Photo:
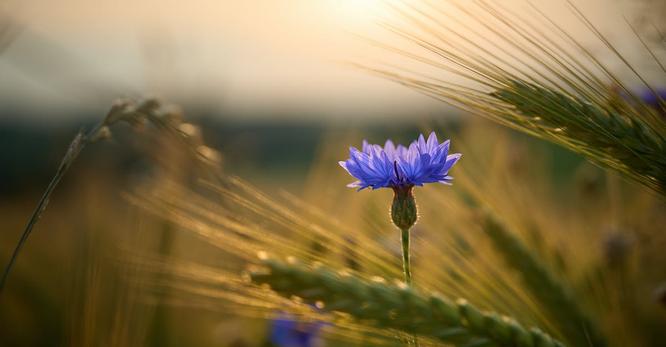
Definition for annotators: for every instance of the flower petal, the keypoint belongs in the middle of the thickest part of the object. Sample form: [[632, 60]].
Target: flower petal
[[390, 166]]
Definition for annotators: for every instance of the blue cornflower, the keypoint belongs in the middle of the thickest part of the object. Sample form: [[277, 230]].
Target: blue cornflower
[[288, 332], [654, 98], [651, 97], [400, 167]]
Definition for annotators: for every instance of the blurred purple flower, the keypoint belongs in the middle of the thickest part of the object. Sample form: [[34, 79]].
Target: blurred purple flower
[[651, 97], [655, 98], [400, 167], [288, 332]]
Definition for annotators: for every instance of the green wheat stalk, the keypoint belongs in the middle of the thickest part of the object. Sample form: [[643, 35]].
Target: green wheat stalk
[[524, 71], [605, 136], [553, 295], [397, 307]]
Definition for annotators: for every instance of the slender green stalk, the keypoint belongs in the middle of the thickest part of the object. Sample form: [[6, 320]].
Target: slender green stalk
[[406, 265], [404, 216], [398, 307], [405, 257]]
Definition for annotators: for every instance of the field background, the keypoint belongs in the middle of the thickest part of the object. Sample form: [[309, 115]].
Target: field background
[[270, 88]]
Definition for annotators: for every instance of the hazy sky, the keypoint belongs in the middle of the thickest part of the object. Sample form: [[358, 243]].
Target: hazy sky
[[252, 56]]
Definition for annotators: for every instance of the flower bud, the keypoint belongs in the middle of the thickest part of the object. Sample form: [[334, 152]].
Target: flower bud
[[403, 210]]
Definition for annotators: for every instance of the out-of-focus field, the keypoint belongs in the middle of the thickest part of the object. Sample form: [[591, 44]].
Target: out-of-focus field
[[69, 286], [76, 282], [154, 235]]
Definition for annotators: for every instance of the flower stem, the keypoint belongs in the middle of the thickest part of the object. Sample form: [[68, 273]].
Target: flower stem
[[404, 215], [413, 341], [405, 257]]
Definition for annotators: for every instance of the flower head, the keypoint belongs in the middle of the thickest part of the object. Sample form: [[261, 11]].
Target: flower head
[[400, 167]]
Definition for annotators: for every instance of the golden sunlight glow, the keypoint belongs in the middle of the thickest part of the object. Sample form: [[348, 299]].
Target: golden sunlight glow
[[357, 10], [254, 55]]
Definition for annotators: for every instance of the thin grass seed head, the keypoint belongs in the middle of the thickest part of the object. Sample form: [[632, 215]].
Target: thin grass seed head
[[401, 168]]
